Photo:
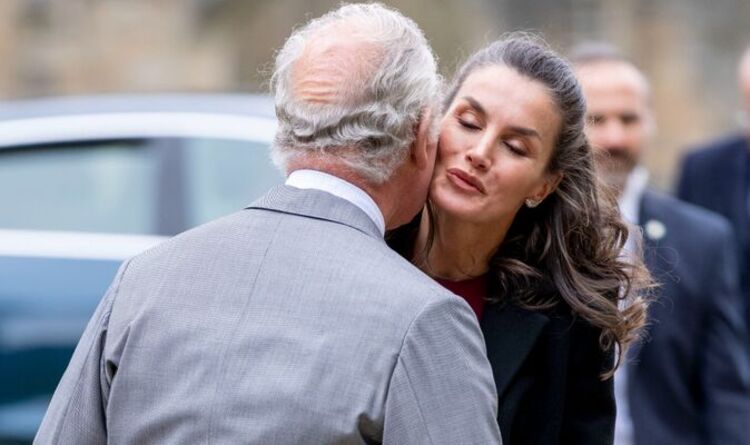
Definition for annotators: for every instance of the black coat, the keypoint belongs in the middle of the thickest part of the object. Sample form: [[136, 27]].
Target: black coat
[[547, 367]]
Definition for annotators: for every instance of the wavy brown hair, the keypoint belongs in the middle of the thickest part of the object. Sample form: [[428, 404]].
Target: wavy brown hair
[[573, 241]]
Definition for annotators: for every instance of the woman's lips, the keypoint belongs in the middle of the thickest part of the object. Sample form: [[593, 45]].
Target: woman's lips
[[465, 181]]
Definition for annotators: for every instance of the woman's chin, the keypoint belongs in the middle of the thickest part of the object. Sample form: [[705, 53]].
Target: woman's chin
[[455, 206]]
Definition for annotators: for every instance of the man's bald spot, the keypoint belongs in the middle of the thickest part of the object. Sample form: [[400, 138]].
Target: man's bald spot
[[334, 64], [594, 72]]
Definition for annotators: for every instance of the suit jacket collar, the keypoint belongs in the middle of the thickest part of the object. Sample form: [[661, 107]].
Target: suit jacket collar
[[653, 255], [510, 333], [317, 204]]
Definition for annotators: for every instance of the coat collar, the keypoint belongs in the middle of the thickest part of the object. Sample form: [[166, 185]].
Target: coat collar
[[510, 333], [317, 204]]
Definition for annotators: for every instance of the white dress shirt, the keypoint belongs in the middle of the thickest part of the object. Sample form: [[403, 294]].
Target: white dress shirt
[[313, 179], [630, 203]]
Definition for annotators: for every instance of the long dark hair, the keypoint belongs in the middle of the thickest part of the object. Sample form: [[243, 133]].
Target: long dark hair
[[573, 241]]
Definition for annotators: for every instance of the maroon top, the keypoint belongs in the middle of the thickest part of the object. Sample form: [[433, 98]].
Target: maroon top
[[473, 290]]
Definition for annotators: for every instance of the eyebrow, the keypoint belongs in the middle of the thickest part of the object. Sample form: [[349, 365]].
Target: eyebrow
[[475, 104], [520, 130]]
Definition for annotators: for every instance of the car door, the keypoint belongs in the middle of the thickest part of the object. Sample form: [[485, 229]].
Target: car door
[[72, 212]]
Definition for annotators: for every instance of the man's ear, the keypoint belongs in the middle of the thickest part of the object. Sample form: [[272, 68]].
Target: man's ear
[[423, 147]]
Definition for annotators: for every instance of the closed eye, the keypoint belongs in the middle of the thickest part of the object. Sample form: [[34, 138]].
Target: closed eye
[[520, 151], [469, 125]]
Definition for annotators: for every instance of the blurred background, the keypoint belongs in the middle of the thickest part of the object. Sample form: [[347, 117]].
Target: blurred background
[[86, 183], [63, 47]]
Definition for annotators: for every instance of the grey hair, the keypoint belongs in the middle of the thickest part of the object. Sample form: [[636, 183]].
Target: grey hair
[[371, 129]]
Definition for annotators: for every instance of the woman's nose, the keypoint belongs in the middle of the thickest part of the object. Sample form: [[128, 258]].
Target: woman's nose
[[479, 156]]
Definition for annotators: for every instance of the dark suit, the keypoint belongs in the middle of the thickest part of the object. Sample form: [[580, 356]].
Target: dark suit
[[688, 382], [547, 368], [717, 177]]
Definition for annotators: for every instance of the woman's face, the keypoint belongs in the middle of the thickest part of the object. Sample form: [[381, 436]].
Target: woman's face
[[495, 142]]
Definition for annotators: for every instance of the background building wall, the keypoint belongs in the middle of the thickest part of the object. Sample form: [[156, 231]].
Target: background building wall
[[688, 48]]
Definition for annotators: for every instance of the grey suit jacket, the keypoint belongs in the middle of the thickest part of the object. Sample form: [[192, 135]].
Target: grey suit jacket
[[290, 322]]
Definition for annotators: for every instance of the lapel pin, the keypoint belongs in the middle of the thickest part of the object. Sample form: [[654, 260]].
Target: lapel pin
[[655, 230]]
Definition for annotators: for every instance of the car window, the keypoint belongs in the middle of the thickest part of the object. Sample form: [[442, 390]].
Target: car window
[[97, 187], [224, 176]]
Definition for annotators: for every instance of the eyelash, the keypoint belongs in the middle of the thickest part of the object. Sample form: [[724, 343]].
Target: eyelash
[[468, 125], [515, 150]]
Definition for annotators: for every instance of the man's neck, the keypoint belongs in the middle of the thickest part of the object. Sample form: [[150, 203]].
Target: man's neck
[[314, 179], [380, 194], [391, 197]]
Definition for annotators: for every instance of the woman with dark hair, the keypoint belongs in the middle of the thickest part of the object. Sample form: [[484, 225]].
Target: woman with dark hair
[[517, 225]]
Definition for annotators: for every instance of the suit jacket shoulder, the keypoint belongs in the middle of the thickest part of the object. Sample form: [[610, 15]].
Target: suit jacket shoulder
[[342, 238], [713, 174], [717, 150], [294, 312], [689, 221]]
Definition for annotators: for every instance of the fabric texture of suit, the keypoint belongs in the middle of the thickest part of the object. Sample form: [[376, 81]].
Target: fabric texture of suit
[[290, 322], [547, 367], [717, 177], [688, 381]]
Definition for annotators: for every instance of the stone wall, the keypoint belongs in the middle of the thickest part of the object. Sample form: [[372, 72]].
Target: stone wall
[[688, 48]]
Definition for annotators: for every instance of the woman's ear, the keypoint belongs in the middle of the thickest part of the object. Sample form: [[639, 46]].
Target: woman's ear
[[551, 181]]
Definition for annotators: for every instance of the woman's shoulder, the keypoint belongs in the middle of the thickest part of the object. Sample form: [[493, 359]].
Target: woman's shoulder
[[569, 323], [580, 336], [561, 318]]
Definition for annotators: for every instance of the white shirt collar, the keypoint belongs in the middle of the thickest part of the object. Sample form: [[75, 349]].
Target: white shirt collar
[[313, 179], [630, 200]]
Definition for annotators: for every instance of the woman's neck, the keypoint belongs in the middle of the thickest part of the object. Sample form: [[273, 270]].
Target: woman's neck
[[460, 249]]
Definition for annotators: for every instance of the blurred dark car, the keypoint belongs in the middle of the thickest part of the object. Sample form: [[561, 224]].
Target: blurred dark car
[[87, 182]]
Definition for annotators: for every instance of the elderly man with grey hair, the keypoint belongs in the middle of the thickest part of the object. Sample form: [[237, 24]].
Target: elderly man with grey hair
[[291, 322]]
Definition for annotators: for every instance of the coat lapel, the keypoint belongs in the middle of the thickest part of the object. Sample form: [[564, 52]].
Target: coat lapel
[[510, 333], [651, 220], [658, 255]]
